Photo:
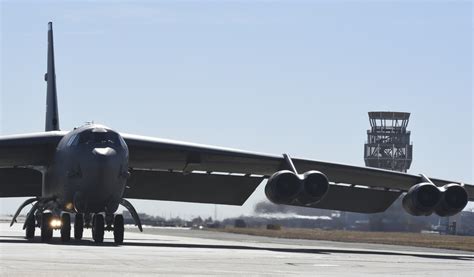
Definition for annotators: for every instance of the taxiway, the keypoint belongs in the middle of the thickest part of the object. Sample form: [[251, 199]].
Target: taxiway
[[166, 251]]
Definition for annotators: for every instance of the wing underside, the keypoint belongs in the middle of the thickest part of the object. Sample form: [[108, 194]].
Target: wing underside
[[192, 187], [20, 182], [356, 199], [358, 189], [35, 149], [18, 155]]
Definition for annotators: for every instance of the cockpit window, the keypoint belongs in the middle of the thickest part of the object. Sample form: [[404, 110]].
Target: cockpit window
[[72, 141], [98, 138]]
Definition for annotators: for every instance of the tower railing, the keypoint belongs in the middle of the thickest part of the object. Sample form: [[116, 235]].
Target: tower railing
[[388, 144]]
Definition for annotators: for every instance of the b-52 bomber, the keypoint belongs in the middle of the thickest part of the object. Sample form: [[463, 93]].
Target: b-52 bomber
[[89, 171]]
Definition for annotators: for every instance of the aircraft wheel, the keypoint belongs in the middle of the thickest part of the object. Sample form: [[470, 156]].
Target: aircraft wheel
[[93, 228], [78, 226], [118, 228], [46, 230], [65, 227], [98, 228], [30, 228]]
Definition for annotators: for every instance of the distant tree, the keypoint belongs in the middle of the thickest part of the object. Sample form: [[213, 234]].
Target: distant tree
[[240, 223], [197, 221]]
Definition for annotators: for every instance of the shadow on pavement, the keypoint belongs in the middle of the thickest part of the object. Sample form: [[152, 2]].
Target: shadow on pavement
[[321, 251]]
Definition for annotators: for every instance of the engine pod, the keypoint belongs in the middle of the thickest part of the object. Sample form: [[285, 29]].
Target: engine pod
[[315, 187], [283, 187], [421, 199], [454, 199]]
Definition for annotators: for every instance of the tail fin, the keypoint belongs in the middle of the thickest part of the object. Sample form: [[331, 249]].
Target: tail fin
[[52, 116]]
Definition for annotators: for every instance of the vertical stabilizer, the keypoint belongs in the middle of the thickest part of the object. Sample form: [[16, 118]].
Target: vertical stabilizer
[[52, 116]]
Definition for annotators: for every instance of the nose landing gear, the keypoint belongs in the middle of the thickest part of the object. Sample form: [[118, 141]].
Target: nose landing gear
[[98, 228], [46, 228], [118, 229], [49, 223], [30, 225], [97, 222], [78, 226], [65, 227], [46, 215], [113, 223]]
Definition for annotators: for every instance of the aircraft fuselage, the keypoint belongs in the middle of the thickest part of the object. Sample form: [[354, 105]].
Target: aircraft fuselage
[[89, 171]]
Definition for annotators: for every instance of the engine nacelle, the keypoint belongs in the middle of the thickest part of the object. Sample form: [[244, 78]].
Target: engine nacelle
[[283, 187], [454, 199], [315, 187], [422, 199], [286, 187]]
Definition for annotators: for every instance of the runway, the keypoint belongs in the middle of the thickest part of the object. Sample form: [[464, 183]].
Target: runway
[[164, 251]]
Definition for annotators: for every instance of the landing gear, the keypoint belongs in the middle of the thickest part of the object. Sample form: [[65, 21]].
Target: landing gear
[[109, 223], [98, 228], [49, 214], [78, 226], [118, 228], [88, 220], [65, 227], [46, 230], [30, 225]]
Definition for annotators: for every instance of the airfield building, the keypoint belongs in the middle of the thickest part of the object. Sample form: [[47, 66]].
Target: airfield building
[[388, 143]]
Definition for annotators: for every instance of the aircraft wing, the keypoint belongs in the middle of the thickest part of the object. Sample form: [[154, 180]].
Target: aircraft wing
[[229, 176], [18, 152], [20, 182]]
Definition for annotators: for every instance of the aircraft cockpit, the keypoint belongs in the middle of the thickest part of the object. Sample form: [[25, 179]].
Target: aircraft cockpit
[[96, 136]]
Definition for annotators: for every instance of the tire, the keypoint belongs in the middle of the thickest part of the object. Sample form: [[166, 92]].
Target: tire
[[93, 228], [98, 228], [30, 227], [65, 227], [78, 226], [118, 229], [46, 230]]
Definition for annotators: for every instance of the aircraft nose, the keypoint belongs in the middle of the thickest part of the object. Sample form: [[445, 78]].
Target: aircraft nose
[[104, 152], [101, 179]]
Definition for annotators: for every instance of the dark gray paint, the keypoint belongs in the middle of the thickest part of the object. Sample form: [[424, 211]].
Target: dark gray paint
[[20, 182], [52, 115], [199, 188], [359, 200], [91, 175]]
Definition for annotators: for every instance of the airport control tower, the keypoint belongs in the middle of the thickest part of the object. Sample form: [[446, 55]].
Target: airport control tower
[[388, 141]]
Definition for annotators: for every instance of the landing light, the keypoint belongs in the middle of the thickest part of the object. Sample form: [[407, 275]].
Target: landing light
[[55, 223]]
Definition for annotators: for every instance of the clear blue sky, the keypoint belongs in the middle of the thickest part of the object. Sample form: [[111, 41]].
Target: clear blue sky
[[270, 76]]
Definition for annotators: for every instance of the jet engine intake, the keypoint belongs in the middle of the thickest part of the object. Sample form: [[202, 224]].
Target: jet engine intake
[[454, 199], [315, 187], [287, 187], [421, 199], [283, 187]]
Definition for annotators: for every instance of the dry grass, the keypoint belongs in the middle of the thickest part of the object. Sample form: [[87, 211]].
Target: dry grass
[[465, 243]]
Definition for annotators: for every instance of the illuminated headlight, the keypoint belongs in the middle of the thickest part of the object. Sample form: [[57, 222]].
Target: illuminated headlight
[[55, 223]]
